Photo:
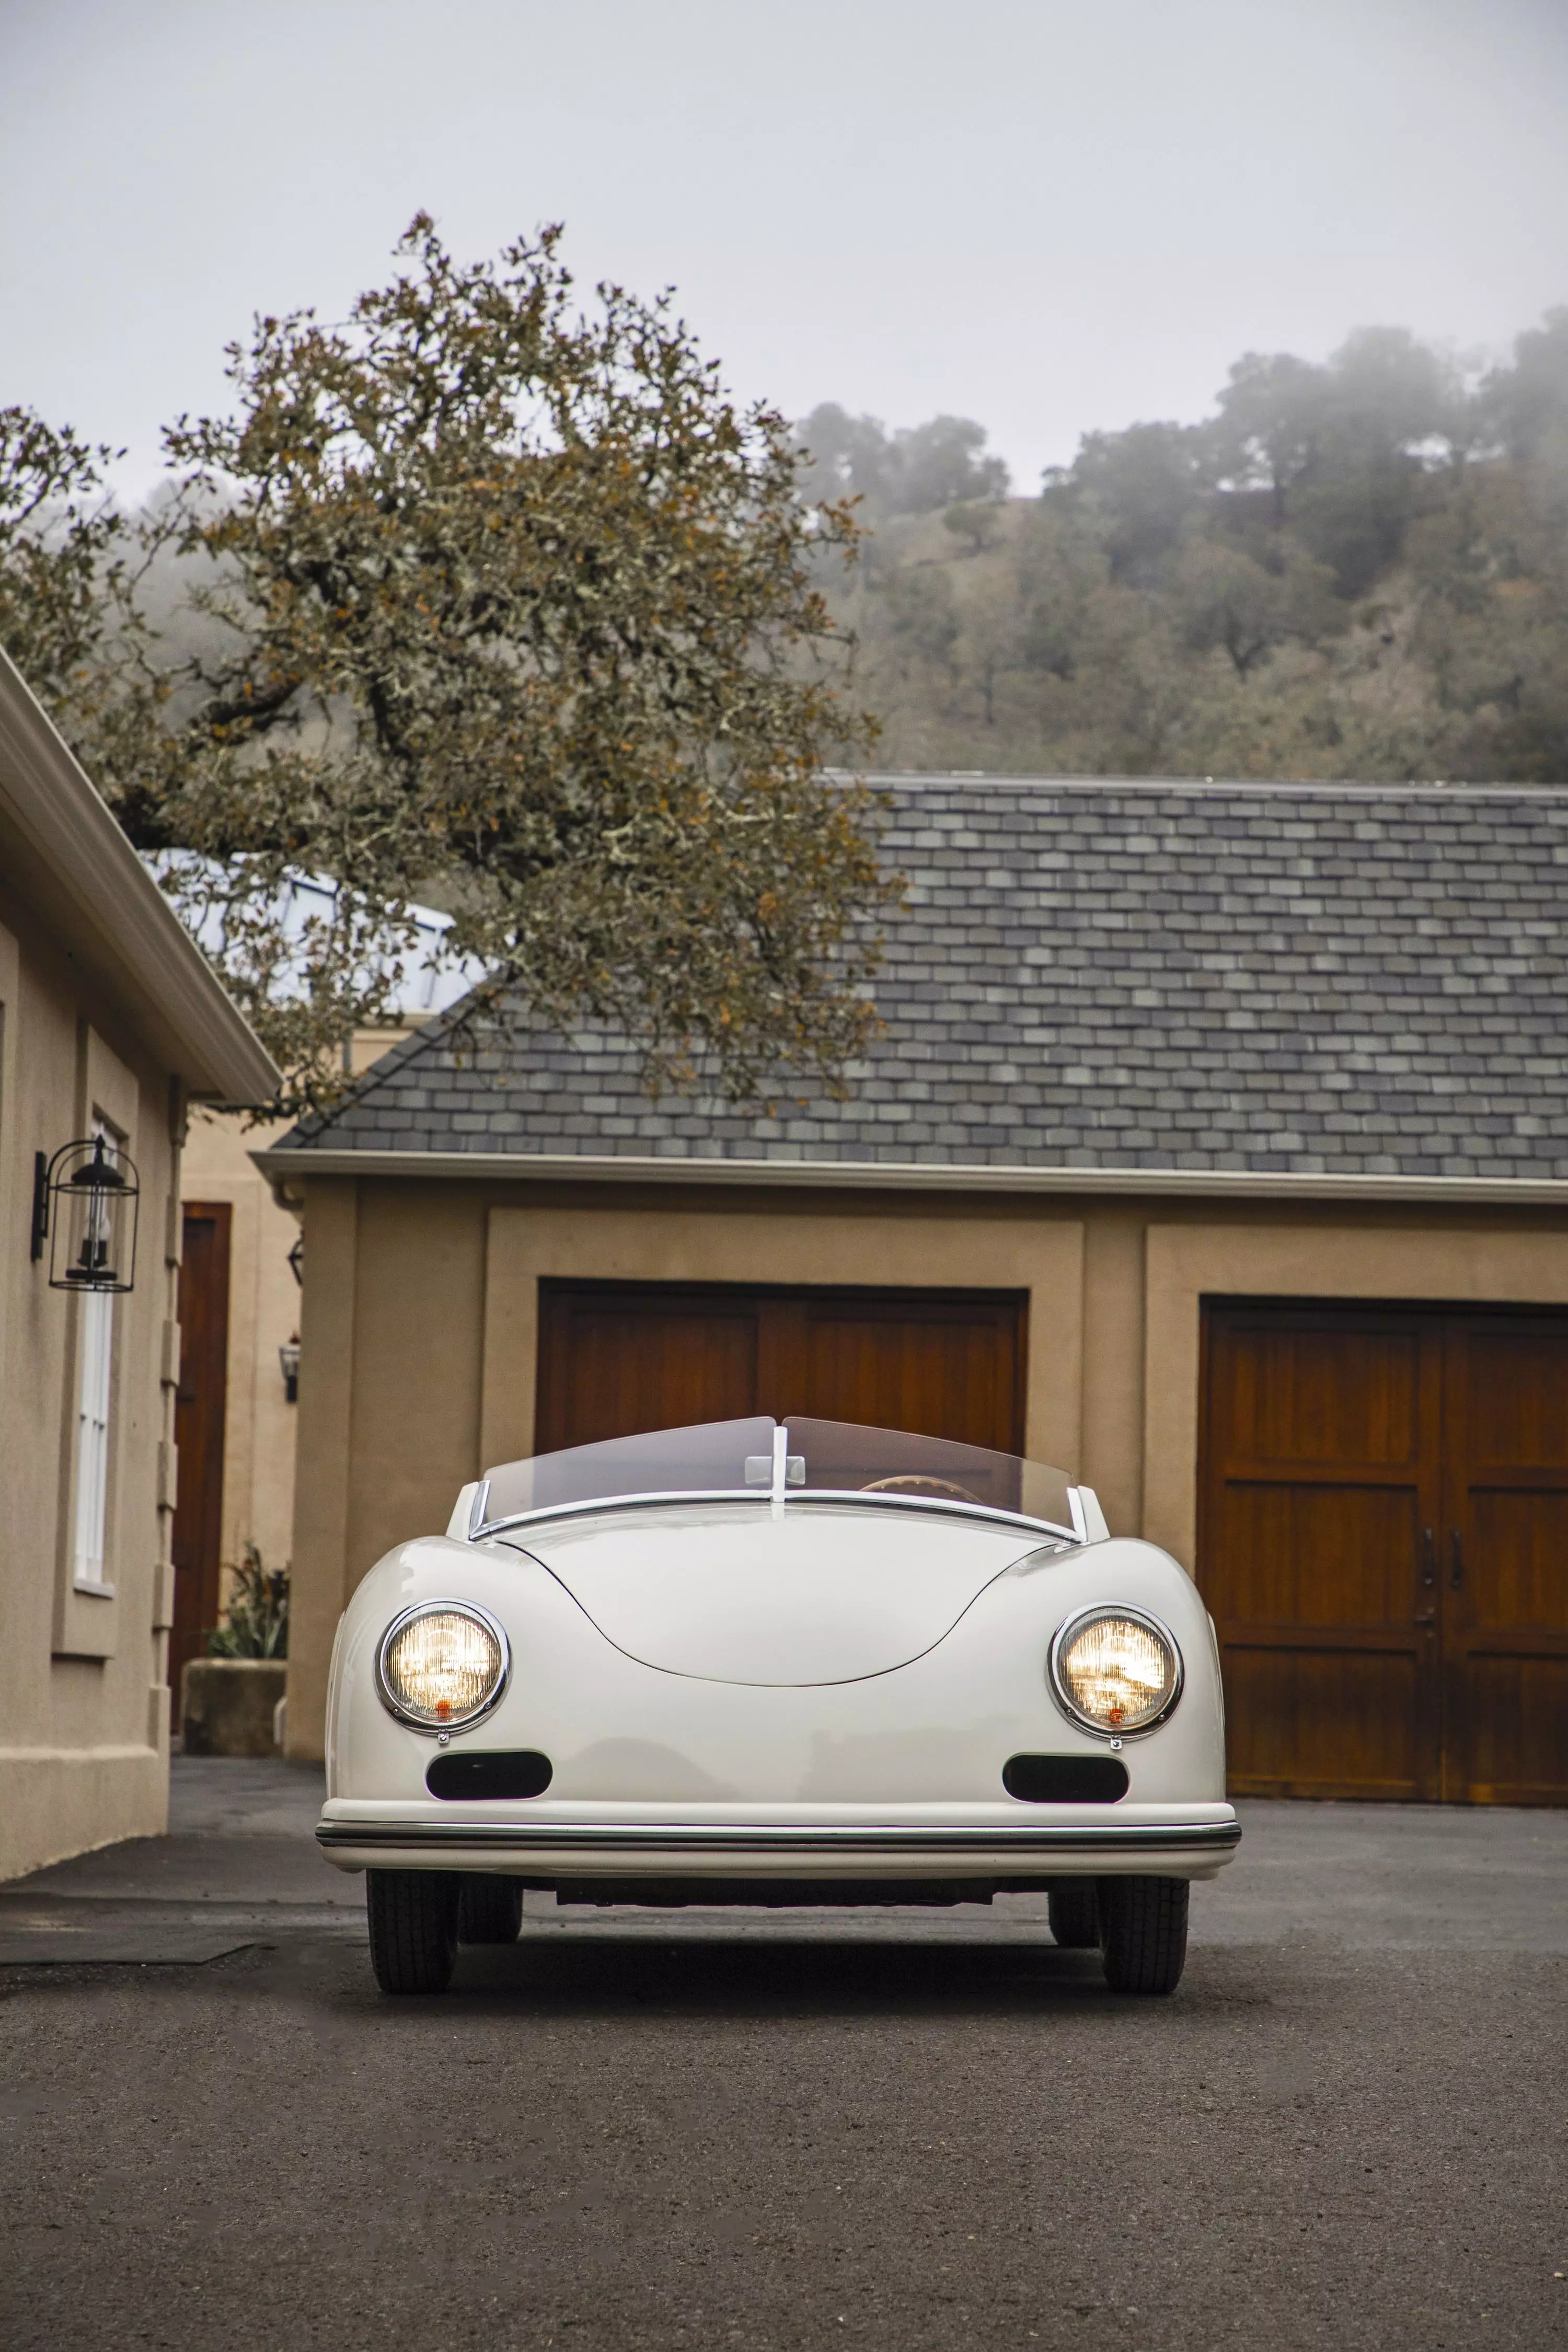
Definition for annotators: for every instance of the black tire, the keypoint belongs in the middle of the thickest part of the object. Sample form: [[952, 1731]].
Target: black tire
[[1075, 1914], [413, 1928], [490, 1910], [1144, 1933]]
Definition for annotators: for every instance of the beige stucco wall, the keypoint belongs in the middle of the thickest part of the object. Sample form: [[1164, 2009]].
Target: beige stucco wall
[[263, 1313], [421, 1323], [83, 1706]]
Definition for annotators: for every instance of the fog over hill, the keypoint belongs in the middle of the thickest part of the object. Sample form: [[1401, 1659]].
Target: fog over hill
[[1359, 569]]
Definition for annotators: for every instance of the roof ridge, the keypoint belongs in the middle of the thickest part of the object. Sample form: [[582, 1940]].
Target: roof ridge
[[1202, 786]]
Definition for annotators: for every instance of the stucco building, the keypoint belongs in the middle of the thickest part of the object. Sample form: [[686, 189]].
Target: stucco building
[[1216, 1149], [240, 1275], [110, 1025]]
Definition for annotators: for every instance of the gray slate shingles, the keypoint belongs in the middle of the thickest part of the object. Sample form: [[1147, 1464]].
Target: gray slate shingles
[[1295, 979]]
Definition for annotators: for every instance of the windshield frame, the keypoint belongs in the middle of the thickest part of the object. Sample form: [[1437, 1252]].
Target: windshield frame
[[777, 1478], [782, 1489], [946, 1507]]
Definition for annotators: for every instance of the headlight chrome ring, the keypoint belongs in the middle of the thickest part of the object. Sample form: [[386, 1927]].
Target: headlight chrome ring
[[443, 1679], [1144, 1642]]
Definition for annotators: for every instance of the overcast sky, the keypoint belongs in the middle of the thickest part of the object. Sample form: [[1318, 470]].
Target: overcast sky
[[1051, 215]]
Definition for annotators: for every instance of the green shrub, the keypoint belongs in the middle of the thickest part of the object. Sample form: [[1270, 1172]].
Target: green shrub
[[255, 1621]]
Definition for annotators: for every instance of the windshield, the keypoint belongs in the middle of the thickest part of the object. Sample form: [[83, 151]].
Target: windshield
[[844, 1457], [710, 1458], [797, 1458]]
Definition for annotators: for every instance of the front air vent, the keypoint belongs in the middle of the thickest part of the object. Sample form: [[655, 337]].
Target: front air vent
[[1065, 1779], [482, 1773]]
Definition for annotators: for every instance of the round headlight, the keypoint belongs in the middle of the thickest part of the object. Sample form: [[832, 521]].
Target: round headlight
[[1115, 1670], [441, 1666]]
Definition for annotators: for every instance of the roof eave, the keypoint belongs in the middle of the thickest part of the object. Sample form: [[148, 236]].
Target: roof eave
[[65, 850], [287, 1165]]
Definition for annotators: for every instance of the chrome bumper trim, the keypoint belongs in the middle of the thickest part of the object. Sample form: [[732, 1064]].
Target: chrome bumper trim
[[641, 1838]]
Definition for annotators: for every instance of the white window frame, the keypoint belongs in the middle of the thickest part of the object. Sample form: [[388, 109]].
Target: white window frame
[[95, 1405]]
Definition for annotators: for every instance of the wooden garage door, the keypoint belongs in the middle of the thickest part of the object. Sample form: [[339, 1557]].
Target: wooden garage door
[[1384, 1545], [615, 1359]]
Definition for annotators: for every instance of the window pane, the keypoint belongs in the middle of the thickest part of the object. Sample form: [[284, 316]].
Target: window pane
[[96, 1343]]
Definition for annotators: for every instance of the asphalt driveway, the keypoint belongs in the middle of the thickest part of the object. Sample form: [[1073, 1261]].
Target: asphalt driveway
[[732, 2130]]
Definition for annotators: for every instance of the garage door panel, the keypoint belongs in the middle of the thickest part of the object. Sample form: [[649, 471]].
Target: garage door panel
[[1515, 1399], [611, 1369], [1506, 1602], [1516, 1730], [951, 1377], [1395, 1477], [1330, 1723], [615, 1358], [1323, 1395], [1516, 1570], [1319, 1479], [1316, 1555]]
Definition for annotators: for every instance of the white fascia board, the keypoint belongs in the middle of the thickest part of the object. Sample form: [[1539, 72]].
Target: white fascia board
[[1205, 787], [65, 850], [289, 1165]]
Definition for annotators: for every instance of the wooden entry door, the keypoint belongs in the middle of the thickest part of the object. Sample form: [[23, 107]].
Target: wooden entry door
[[200, 1404], [1384, 1510], [615, 1358]]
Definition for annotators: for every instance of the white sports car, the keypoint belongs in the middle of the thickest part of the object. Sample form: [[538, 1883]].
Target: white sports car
[[775, 1663]]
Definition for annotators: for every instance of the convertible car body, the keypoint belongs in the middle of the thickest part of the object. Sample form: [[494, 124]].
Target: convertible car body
[[759, 1663]]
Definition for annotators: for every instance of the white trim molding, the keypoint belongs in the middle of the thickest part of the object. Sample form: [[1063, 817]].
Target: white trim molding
[[285, 1166]]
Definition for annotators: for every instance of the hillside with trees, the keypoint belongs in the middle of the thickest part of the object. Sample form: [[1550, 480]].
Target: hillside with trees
[[494, 600], [1353, 569]]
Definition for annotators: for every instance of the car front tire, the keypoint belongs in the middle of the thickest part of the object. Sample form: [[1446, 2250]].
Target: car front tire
[[413, 1919], [1144, 1933], [1075, 1914], [490, 1910]]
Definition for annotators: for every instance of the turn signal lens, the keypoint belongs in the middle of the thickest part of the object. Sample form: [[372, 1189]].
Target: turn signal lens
[[441, 1666], [1116, 1671]]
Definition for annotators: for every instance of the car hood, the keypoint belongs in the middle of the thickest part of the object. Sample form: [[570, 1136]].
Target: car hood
[[819, 1594]]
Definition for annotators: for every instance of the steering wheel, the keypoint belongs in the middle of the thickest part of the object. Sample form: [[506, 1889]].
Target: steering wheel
[[913, 1482]]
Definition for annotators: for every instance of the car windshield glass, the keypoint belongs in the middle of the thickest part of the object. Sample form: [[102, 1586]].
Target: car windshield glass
[[736, 1457], [843, 1457], [712, 1457]]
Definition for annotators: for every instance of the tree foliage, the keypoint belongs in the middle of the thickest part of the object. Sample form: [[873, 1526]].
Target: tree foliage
[[503, 602], [60, 540], [915, 471]]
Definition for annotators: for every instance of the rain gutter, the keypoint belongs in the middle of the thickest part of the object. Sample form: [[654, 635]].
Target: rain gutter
[[285, 1166]]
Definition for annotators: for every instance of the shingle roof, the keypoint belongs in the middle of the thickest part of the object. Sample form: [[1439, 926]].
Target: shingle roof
[[1366, 980]]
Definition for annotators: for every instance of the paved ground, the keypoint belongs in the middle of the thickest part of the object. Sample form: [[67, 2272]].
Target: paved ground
[[1347, 2128]]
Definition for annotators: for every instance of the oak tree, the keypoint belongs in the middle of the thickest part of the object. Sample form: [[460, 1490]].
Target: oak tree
[[507, 604]]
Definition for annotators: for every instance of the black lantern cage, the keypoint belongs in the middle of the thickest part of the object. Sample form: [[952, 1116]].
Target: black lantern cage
[[85, 1206]]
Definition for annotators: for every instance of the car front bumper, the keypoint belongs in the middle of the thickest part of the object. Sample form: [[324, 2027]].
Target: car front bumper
[[1163, 1840]]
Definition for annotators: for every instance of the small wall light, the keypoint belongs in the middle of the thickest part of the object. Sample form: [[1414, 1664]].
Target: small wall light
[[289, 1359], [297, 1261], [85, 1205]]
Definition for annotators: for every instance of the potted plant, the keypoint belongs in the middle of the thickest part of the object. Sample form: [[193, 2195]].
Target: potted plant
[[231, 1700]]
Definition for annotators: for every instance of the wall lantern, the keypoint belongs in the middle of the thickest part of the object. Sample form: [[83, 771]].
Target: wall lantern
[[288, 1362], [84, 1206], [297, 1261]]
